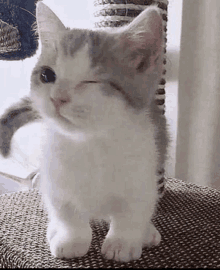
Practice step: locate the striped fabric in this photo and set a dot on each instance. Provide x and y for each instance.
(115, 13)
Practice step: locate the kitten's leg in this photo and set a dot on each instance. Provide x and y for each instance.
(68, 234)
(152, 237)
(128, 233)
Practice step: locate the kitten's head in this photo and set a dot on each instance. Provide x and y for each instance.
(93, 80)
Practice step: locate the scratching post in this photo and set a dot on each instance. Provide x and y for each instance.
(17, 38)
(116, 13)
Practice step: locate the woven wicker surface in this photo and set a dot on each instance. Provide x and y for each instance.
(187, 218)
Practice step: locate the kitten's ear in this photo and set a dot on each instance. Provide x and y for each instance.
(48, 24)
(142, 39)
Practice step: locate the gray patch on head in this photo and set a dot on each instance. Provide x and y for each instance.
(100, 45)
(72, 41)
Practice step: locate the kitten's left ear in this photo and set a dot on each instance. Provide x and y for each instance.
(48, 24)
(142, 39)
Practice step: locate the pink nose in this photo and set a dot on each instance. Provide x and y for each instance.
(59, 102)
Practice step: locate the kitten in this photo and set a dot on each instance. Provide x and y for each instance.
(105, 138)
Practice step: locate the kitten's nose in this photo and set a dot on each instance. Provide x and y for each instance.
(58, 102)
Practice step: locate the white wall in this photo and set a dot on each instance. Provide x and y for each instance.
(198, 144)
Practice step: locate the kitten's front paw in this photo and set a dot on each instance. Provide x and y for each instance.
(121, 249)
(152, 237)
(65, 244)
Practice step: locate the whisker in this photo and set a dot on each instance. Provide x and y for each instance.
(28, 11)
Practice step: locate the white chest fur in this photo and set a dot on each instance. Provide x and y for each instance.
(91, 172)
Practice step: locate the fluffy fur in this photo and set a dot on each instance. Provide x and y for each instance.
(13, 118)
(105, 137)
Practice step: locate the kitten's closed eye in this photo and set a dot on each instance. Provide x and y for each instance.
(47, 75)
(83, 84)
(90, 82)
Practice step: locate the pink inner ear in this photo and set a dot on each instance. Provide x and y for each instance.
(140, 46)
(135, 41)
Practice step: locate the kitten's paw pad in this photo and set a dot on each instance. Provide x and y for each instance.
(152, 237)
(121, 250)
(67, 246)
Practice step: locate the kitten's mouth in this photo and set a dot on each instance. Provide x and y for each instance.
(76, 118)
(81, 111)
(62, 118)
(66, 121)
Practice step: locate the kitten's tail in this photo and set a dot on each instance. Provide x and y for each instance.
(13, 118)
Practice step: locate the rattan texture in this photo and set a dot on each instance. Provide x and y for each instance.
(18, 40)
(187, 217)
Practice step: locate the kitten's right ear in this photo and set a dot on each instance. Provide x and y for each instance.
(142, 39)
(48, 24)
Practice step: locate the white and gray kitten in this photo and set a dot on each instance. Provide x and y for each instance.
(105, 137)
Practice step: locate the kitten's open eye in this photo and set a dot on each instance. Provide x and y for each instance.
(47, 75)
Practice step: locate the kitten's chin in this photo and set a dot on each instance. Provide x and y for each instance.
(69, 127)
(62, 124)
